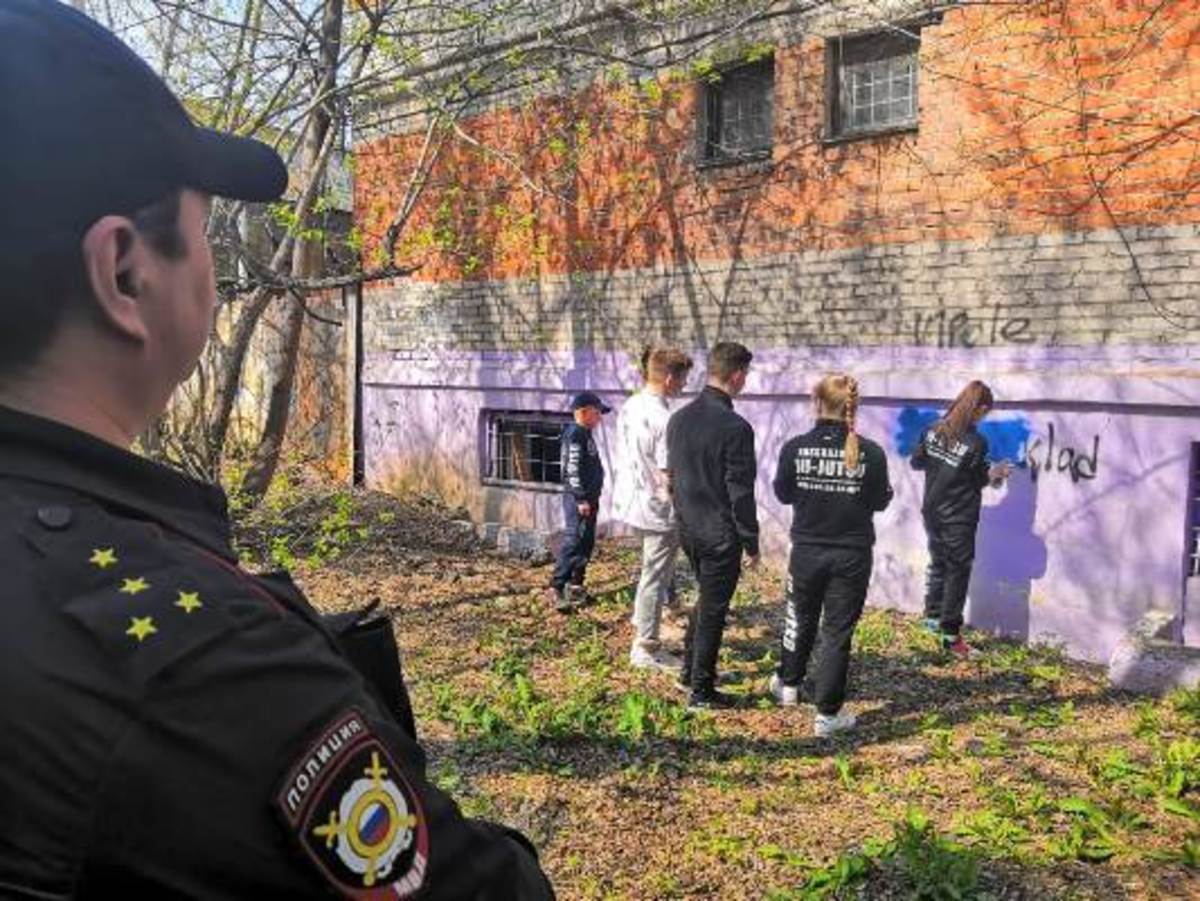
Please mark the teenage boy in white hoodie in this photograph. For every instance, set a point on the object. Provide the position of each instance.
(642, 500)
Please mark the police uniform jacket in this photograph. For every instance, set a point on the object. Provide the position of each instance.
(173, 727)
(955, 475)
(831, 504)
(583, 470)
(710, 455)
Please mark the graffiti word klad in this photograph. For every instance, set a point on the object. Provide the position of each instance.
(1042, 456)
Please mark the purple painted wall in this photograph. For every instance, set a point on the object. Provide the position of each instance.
(1087, 537)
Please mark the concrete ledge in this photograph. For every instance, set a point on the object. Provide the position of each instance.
(1150, 660)
(533, 545)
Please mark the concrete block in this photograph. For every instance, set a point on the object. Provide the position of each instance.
(1150, 660)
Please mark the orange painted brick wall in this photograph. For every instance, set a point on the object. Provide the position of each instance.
(1053, 116)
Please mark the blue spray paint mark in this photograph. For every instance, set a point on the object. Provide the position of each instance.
(911, 422)
(1007, 438)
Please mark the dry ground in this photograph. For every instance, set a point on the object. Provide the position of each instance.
(1018, 776)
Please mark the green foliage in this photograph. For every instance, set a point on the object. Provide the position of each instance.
(297, 524)
(993, 832)
(1180, 808)
(1149, 720)
(845, 770)
(512, 709)
(717, 840)
(938, 868)
(1115, 770)
(843, 874)
(1186, 703)
(1090, 835)
(932, 867)
(777, 854)
(284, 215)
(940, 742)
(1049, 716)
(1178, 767)
(874, 634)
(1189, 852)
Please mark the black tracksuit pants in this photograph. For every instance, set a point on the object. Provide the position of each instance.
(951, 553)
(717, 571)
(578, 542)
(827, 586)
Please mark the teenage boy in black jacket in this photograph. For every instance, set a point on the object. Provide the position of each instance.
(836, 482)
(710, 457)
(583, 480)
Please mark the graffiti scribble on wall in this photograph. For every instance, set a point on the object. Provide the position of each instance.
(1044, 455)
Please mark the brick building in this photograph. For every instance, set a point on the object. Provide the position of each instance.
(1009, 192)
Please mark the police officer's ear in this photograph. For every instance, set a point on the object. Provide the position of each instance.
(116, 258)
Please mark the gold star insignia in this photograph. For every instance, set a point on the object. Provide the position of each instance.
(134, 586)
(103, 557)
(189, 601)
(140, 627)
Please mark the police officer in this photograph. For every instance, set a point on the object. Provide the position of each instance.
(170, 726)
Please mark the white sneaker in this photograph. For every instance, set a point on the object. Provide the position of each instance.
(825, 726)
(784, 695)
(640, 658)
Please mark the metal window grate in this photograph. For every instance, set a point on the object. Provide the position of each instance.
(880, 93)
(740, 110)
(524, 447)
(1193, 564)
(877, 78)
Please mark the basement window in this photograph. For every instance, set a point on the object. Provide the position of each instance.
(872, 83)
(738, 114)
(524, 448)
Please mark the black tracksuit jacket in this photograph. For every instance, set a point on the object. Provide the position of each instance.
(830, 505)
(710, 454)
(583, 470)
(955, 476)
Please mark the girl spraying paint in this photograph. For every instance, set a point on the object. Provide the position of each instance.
(954, 458)
(835, 481)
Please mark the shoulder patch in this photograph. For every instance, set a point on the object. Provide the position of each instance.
(145, 606)
(354, 814)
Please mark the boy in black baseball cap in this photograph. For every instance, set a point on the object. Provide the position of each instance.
(173, 725)
(583, 480)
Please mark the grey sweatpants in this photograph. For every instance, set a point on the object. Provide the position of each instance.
(659, 550)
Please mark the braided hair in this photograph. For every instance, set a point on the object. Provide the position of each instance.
(837, 398)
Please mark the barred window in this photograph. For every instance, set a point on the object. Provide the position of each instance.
(873, 82)
(524, 447)
(738, 110)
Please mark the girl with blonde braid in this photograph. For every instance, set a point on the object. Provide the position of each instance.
(836, 481)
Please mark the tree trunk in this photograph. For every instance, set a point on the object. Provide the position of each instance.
(306, 263)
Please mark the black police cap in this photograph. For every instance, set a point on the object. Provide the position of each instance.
(89, 130)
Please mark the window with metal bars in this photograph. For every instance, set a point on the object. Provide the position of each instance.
(524, 448)
(872, 82)
(739, 113)
(1193, 560)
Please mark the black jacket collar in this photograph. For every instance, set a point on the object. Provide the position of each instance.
(830, 425)
(717, 395)
(41, 450)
